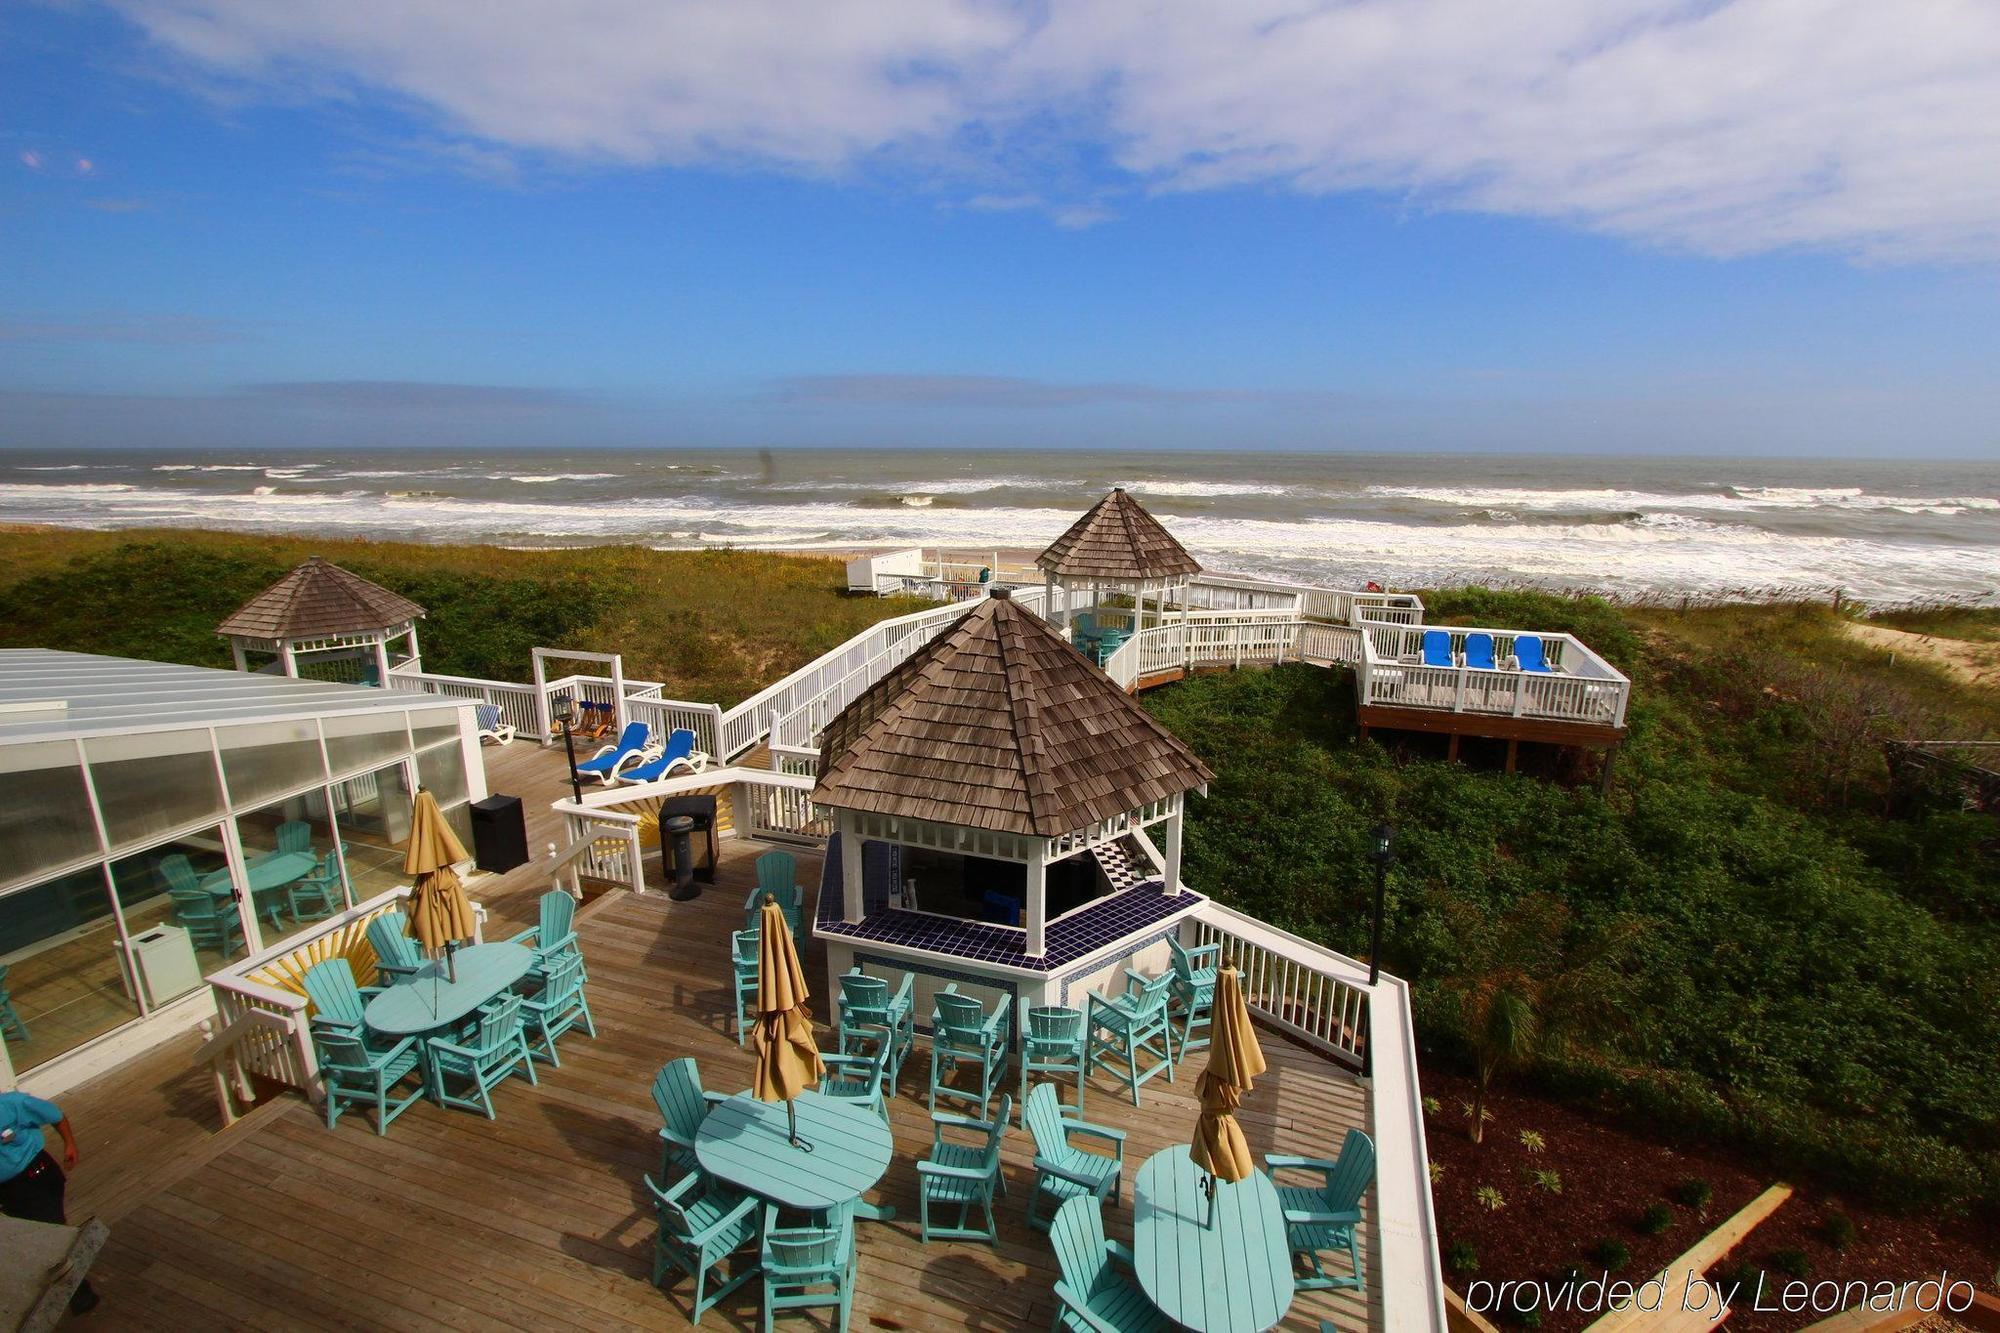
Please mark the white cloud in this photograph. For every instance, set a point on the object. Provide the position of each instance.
(1722, 126)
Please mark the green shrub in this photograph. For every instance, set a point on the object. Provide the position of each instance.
(1838, 1227)
(1792, 1263)
(1657, 1220)
(1461, 1258)
(1695, 1193)
(1610, 1255)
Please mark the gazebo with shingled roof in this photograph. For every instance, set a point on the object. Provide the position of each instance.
(325, 623)
(998, 743)
(1117, 549)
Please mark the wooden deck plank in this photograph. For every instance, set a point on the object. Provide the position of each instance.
(538, 1218)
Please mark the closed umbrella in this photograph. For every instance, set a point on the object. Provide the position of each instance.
(439, 914)
(1234, 1061)
(787, 1056)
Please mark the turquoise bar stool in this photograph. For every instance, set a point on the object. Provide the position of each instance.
(872, 1021)
(1132, 1025)
(1053, 1043)
(964, 1035)
(743, 971)
(1194, 990)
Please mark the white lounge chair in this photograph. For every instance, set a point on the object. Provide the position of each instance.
(493, 725)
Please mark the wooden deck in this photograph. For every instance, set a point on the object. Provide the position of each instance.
(538, 1219)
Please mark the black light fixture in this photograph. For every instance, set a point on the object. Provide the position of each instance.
(1383, 853)
(566, 719)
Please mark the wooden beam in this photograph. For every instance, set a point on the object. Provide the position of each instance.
(1497, 726)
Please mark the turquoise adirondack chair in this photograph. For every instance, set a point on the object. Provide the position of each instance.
(963, 1034)
(498, 1048)
(1327, 1215)
(778, 875)
(557, 1007)
(743, 946)
(1193, 988)
(874, 1021)
(320, 894)
(554, 936)
(964, 1174)
(677, 1091)
(356, 1072)
(1064, 1171)
(338, 1004)
(10, 1018)
(807, 1267)
(294, 835)
(1134, 1024)
(397, 956)
(1053, 1044)
(856, 1079)
(211, 923)
(702, 1222)
(1091, 1295)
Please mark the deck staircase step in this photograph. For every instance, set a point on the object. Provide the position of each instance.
(1122, 865)
(1670, 1317)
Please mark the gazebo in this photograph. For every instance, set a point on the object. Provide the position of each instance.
(326, 623)
(1116, 549)
(991, 799)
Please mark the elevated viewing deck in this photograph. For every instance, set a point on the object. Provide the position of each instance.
(540, 1218)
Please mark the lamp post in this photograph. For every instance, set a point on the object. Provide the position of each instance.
(566, 719)
(1382, 853)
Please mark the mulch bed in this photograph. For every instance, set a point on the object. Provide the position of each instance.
(1610, 1177)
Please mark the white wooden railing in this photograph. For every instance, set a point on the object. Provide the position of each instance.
(1325, 1000)
(602, 832)
(1579, 686)
(516, 702)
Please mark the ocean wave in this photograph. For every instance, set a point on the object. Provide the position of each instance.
(56, 489)
(209, 467)
(1740, 499)
(1202, 489)
(536, 478)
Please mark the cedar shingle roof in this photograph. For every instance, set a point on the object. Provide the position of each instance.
(318, 599)
(999, 724)
(1118, 539)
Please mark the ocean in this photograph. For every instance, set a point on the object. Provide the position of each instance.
(1885, 532)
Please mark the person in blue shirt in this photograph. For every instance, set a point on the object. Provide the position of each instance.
(31, 1184)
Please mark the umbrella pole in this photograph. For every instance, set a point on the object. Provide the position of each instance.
(451, 961)
(792, 1126)
(1208, 1188)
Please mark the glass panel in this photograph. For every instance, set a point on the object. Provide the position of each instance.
(60, 981)
(428, 726)
(44, 810)
(266, 758)
(179, 911)
(442, 771)
(365, 740)
(152, 784)
(289, 861)
(374, 815)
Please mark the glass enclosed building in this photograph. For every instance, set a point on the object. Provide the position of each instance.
(158, 821)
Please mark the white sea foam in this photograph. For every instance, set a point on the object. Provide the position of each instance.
(537, 478)
(1199, 489)
(1746, 499)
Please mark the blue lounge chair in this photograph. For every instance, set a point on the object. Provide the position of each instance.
(679, 754)
(1528, 653)
(498, 1048)
(604, 764)
(1091, 1295)
(1479, 651)
(1062, 1170)
(1437, 649)
(964, 1174)
(799, 1262)
(1325, 1216)
(492, 724)
(702, 1223)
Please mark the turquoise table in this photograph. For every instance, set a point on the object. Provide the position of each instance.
(1225, 1270)
(268, 874)
(427, 1001)
(743, 1141)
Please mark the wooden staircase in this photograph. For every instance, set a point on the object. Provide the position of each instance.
(1671, 1316)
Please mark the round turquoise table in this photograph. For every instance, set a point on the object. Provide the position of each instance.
(743, 1141)
(427, 1001)
(1221, 1268)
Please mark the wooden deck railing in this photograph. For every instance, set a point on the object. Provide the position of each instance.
(1579, 687)
(603, 832)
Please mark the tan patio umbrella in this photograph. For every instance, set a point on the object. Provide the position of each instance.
(787, 1056)
(1234, 1061)
(439, 914)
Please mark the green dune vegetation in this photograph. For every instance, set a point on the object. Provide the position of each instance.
(1757, 938)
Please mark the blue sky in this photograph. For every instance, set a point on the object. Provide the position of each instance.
(1727, 227)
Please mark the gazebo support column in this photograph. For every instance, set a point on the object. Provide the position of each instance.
(1173, 850)
(285, 656)
(1038, 905)
(382, 661)
(236, 651)
(853, 899)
